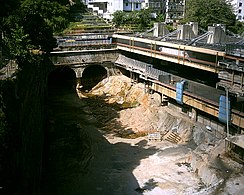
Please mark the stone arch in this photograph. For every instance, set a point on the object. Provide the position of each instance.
(62, 77)
(92, 75)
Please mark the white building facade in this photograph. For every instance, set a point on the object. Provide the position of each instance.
(132, 5)
(239, 9)
(157, 6)
(106, 8)
(174, 9)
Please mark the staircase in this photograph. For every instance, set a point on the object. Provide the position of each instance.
(172, 137)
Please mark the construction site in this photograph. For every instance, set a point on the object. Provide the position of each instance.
(147, 113)
(126, 142)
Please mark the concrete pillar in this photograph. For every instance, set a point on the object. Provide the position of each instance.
(78, 71)
(217, 34)
(160, 30)
(164, 100)
(145, 87)
(194, 26)
(78, 84)
(194, 114)
(136, 78)
(185, 32)
(237, 62)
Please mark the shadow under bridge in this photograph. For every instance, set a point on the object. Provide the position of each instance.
(91, 76)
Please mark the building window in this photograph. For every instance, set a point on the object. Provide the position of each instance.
(239, 17)
(239, 11)
(136, 5)
(240, 4)
(126, 4)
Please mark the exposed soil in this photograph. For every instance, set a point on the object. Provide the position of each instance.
(90, 149)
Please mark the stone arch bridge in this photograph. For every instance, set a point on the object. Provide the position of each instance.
(78, 61)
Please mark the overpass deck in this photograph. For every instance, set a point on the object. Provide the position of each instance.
(195, 57)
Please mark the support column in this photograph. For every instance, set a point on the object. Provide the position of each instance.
(135, 78)
(147, 88)
(194, 114)
(164, 100)
(78, 84)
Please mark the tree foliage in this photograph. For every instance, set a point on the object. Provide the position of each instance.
(29, 24)
(54, 14)
(207, 12)
(8, 6)
(140, 19)
(26, 28)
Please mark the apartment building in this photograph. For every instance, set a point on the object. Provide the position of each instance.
(239, 9)
(157, 6)
(106, 8)
(175, 10)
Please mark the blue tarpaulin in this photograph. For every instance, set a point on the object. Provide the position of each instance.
(223, 111)
(179, 91)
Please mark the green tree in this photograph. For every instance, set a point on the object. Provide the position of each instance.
(31, 25)
(54, 14)
(160, 18)
(8, 6)
(141, 18)
(144, 18)
(238, 28)
(118, 18)
(207, 12)
(26, 26)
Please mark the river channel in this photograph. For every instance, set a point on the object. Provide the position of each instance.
(78, 158)
(85, 152)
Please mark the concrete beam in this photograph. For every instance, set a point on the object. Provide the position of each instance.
(171, 45)
(157, 54)
(83, 57)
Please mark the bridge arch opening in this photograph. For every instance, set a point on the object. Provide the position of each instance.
(92, 75)
(62, 78)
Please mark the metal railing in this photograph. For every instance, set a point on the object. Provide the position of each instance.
(235, 49)
(142, 68)
(74, 43)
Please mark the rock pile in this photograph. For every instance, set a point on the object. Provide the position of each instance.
(145, 113)
(142, 113)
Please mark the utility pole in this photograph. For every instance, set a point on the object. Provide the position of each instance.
(227, 113)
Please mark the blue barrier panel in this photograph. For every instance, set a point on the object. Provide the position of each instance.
(222, 109)
(179, 92)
